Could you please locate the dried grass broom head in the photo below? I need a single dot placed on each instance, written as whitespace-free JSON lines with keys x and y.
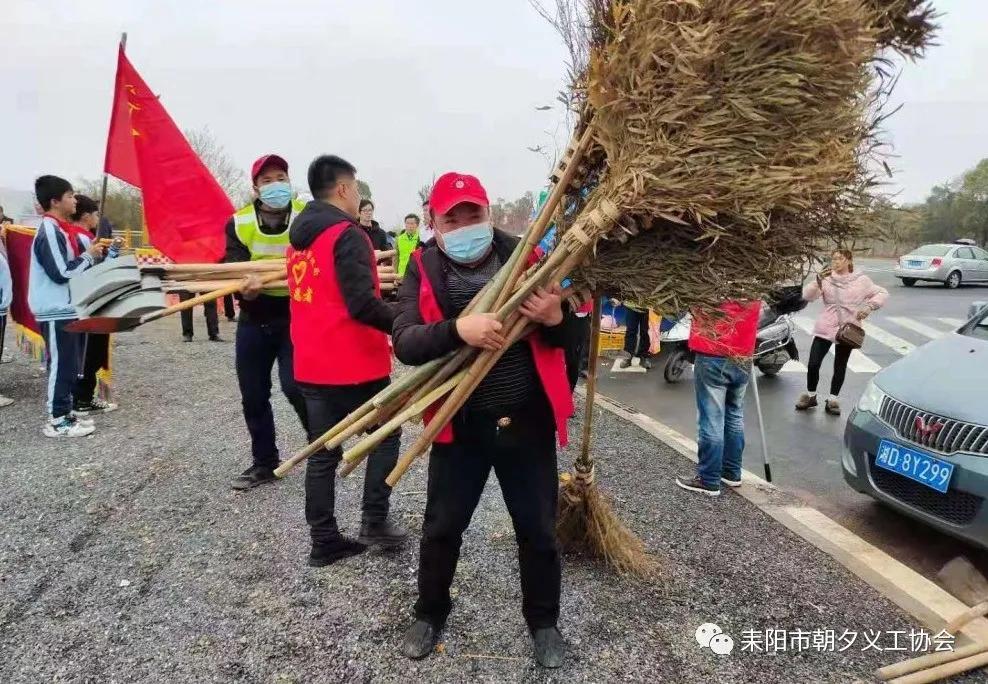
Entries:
{"x":737,"y":137}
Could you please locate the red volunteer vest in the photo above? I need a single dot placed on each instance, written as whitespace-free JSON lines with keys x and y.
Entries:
{"x":331,"y":348}
{"x":732,"y":336}
{"x":550,"y":364}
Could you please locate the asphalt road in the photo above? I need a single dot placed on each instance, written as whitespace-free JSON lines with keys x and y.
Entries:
{"x":804,"y":448}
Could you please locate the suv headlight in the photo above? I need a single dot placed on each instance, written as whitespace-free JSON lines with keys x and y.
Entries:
{"x":871,"y":398}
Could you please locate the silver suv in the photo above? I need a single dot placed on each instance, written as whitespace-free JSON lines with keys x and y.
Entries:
{"x":951,"y":264}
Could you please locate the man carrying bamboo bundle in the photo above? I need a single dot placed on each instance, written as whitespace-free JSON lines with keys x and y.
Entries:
{"x":508,"y":424}
{"x":340,"y":327}
{"x":260,"y":231}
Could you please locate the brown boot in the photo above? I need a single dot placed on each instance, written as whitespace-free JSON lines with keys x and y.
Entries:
{"x":806,"y":401}
{"x":832,"y":407}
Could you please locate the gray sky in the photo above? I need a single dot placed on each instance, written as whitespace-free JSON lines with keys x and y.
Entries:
{"x":402,"y":89}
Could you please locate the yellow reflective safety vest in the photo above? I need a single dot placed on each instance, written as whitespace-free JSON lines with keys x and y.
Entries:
{"x":260,"y":244}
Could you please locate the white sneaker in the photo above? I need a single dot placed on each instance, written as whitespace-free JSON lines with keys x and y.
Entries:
{"x":67,"y":427}
{"x":81,"y":418}
{"x":5,"y":401}
{"x":96,"y":405}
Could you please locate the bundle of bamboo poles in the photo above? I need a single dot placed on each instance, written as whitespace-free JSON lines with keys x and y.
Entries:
{"x":209,"y":277}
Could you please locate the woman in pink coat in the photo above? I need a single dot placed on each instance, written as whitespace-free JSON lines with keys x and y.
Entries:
{"x":847,"y":297}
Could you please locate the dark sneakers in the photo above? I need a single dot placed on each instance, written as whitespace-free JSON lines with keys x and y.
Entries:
{"x":383,"y":533}
{"x":420,"y":640}
{"x":215,"y":338}
{"x":550,"y":649}
{"x":695,"y":484}
{"x":252,"y":477}
{"x":327,"y":553}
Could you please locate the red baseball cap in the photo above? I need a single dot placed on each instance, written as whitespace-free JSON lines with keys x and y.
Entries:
{"x":267,"y":160}
{"x":454,"y":188}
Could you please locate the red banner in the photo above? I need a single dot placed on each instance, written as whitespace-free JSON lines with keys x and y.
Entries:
{"x":184,"y":207}
{"x":19,"y":240}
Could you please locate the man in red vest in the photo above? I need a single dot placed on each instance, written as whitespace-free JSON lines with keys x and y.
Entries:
{"x":723,"y":343}
{"x":339,"y":329}
{"x":510,"y":423}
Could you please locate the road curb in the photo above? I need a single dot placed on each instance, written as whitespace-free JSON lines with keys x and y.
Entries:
{"x":923,"y":599}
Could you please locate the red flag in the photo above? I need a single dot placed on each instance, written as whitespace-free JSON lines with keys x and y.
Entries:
{"x":184,"y":207}
{"x":19,"y":240}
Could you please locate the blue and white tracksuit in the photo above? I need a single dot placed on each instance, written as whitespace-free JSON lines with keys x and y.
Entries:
{"x":52,"y":265}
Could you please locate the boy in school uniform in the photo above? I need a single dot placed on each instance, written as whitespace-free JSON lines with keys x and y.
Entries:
{"x":60,"y":251}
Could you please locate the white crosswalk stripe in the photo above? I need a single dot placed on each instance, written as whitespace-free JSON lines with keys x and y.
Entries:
{"x":634,"y":368}
{"x":793,"y":366}
{"x":894,"y":342}
{"x":952,"y":322}
{"x":916,"y":326}
{"x":857,"y":363}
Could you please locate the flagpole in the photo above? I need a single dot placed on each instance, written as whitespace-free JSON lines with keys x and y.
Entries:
{"x":102,"y":194}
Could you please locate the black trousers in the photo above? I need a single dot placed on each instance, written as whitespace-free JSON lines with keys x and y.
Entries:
{"x":208,"y":309}
{"x":577,"y":349}
{"x":258,"y":346}
{"x":326,"y":406}
{"x":96,"y":355}
{"x":523,"y":456}
{"x":636,"y":332}
{"x":228,"y":309}
{"x":63,"y":350}
{"x":818,"y":351}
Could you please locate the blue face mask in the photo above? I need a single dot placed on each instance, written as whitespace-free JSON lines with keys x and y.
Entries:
{"x":276,"y":195}
{"x":468,"y":244}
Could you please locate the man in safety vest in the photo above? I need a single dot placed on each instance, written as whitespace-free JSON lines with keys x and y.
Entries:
{"x":340,"y":326}
{"x":509,"y":424}
{"x":407,"y":242}
{"x":260,"y":231}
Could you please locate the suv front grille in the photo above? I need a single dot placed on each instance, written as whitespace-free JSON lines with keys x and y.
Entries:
{"x":954,"y":507}
{"x":952,"y":435}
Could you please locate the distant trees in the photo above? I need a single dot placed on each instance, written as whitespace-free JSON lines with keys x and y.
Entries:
{"x":958,"y":208}
{"x":513,"y":217}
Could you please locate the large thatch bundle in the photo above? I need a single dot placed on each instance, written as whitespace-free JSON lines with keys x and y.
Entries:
{"x":736,"y":137}
{"x":721,"y":145}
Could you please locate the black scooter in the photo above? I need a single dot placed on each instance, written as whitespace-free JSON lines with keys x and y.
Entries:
{"x":775,"y":344}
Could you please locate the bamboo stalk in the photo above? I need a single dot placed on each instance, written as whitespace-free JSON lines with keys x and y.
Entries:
{"x":207,"y":285}
{"x":356,"y":455}
{"x":976,"y":611}
{"x":245,"y":266}
{"x":202,"y":299}
{"x":357,"y":421}
{"x":948,"y":669}
{"x":929,"y":660}
{"x":537,"y":230}
{"x":454,"y":402}
{"x":376,"y":404}
{"x":584,"y":463}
